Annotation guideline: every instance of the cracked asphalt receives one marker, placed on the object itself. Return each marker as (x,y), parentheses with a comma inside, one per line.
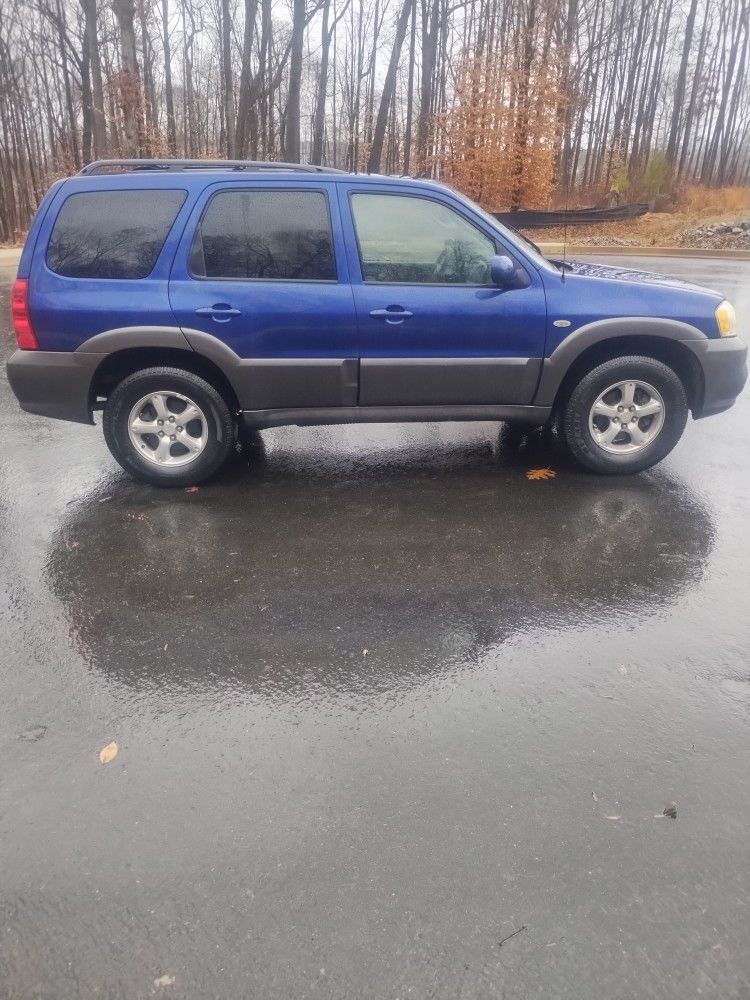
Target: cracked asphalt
(392,720)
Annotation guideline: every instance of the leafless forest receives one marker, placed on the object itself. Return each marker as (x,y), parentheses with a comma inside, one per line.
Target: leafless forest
(510,100)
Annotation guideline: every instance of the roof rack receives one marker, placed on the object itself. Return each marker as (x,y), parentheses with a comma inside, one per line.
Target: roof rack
(168,166)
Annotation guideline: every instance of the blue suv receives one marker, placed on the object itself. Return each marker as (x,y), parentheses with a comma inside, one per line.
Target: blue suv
(186,299)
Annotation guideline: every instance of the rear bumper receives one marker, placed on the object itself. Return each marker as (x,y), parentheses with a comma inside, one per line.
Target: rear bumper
(54,384)
(723,362)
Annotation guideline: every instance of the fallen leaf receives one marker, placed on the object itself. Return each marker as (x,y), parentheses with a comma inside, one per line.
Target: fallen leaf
(108,753)
(192,489)
(164,981)
(535,474)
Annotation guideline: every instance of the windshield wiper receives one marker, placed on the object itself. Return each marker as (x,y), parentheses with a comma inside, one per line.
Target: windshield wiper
(522,236)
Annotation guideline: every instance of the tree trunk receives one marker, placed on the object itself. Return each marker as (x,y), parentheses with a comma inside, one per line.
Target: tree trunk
(188,34)
(376,150)
(520,135)
(86,105)
(429,55)
(226,66)
(316,153)
(292,116)
(149,90)
(410,88)
(72,141)
(168,89)
(91,43)
(246,79)
(679,96)
(128,79)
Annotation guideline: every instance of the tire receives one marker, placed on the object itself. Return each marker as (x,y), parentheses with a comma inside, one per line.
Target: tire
(161,395)
(591,415)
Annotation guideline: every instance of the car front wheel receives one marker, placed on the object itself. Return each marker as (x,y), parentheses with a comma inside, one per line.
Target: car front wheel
(168,427)
(625,415)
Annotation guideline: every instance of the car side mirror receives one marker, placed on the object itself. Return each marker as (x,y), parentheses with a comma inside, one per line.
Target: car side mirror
(502,270)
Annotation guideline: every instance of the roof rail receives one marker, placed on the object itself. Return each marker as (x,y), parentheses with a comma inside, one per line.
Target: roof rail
(124,166)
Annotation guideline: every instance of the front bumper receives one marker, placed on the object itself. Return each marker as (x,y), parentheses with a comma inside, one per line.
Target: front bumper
(723,362)
(54,384)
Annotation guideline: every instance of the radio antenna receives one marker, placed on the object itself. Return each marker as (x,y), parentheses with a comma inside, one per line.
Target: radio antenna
(565,221)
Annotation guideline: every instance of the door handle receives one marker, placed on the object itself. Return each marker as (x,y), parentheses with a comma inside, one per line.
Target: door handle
(220,312)
(392,315)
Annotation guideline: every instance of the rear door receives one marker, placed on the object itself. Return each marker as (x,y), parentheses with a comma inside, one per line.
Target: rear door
(433,328)
(261,268)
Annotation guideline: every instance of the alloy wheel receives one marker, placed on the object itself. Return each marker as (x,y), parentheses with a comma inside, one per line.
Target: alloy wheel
(168,429)
(627,417)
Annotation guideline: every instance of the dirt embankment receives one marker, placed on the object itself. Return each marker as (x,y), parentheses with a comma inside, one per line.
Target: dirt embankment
(656,229)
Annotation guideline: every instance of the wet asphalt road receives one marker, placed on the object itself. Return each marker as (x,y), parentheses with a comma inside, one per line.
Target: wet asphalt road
(380,703)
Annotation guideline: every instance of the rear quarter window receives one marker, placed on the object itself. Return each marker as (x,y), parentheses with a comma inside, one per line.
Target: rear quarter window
(112,234)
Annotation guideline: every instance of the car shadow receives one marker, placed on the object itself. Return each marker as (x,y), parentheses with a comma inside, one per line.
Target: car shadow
(426,546)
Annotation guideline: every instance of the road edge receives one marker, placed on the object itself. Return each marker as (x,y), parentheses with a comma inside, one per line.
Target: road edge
(578,249)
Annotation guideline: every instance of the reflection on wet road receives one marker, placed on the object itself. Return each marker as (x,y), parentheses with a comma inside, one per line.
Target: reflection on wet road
(422,550)
(380,702)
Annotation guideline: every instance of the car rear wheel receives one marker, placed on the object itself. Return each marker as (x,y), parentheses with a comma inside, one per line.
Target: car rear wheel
(625,415)
(168,427)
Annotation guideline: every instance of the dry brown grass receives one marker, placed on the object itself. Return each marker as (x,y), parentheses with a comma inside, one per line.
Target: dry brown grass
(656,229)
(697,199)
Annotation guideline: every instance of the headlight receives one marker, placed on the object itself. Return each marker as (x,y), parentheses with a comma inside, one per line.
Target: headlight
(726,319)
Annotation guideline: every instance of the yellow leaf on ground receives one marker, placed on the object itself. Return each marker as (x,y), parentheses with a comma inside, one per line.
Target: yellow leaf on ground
(108,753)
(534,474)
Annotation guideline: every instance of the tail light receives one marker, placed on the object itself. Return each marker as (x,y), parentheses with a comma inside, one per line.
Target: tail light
(19,308)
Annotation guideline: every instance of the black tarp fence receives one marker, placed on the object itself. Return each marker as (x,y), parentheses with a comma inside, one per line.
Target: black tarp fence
(573,217)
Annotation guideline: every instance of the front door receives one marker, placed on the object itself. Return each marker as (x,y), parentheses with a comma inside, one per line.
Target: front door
(433,328)
(261,268)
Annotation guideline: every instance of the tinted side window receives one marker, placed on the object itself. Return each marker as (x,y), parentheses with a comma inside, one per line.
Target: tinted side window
(112,234)
(418,241)
(265,234)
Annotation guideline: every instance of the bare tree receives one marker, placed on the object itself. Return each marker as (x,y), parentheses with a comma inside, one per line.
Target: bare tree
(91,45)
(128,80)
(505,98)
(386,98)
(227,86)
(168,89)
(291,133)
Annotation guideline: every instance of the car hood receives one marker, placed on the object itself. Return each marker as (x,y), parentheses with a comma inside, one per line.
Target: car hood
(638,277)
